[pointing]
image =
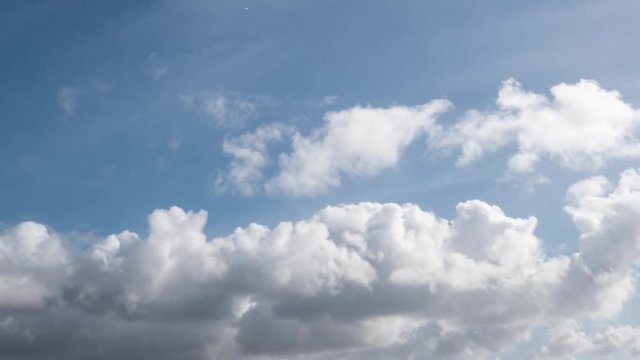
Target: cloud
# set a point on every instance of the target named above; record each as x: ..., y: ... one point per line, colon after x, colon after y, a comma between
x: 581, y: 126
x: 224, y: 110
x: 567, y: 341
x: 68, y: 99
x: 159, y: 72
x: 156, y: 67
x: 32, y: 264
x: 250, y: 157
x: 329, y: 100
x: 360, y: 141
x: 175, y: 141
x: 363, y: 280
x: 602, y: 211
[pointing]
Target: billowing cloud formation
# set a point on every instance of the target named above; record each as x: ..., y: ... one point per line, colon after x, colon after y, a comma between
x: 566, y: 341
x: 581, y: 127
x: 361, y: 280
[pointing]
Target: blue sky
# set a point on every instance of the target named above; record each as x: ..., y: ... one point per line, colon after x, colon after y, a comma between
x: 104, y: 117
x: 113, y: 148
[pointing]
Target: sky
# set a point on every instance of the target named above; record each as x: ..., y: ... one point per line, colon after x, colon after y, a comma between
x: 218, y: 179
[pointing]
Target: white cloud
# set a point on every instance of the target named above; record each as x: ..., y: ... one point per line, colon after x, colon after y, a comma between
x: 250, y: 157
x: 68, y: 99
x: 360, y: 141
x: 603, y: 212
x: 363, y: 280
x: 32, y: 265
x: 567, y: 341
x: 581, y: 127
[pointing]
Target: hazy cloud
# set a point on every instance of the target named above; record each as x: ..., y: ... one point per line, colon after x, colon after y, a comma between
x: 68, y: 99
x: 224, y: 110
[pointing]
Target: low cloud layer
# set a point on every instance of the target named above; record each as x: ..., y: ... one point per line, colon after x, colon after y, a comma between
x: 581, y: 127
x: 353, y: 281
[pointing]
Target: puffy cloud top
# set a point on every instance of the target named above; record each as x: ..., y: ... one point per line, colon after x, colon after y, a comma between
x: 352, y: 281
x: 581, y: 127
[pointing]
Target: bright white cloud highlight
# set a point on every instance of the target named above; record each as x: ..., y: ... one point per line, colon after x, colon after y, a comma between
x: 360, y: 141
x: 360, y: 280
x: 581, y: 126
x: 357, y: 142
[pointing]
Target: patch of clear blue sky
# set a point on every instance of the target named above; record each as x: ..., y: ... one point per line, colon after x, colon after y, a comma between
x: 105, y: 167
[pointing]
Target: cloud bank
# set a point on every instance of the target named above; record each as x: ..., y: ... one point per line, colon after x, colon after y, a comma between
x: 353, y: 281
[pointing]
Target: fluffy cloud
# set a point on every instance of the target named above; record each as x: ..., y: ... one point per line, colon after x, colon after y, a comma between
x: 357, y: 142
x: 360, y: 141
x: 580, y: 127
x: 567, y: 341
x: 32, y: 265
x: 363, y: 280
x: 603, y: 212
x: 250, y: 157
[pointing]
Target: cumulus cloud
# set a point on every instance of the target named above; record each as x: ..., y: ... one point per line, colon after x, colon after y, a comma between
x: 567, y: 341
x: 363, y: 280
x: 602, y: 211
x: 250, y: 156
x: 360, y: 141
x: 581, y: 126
